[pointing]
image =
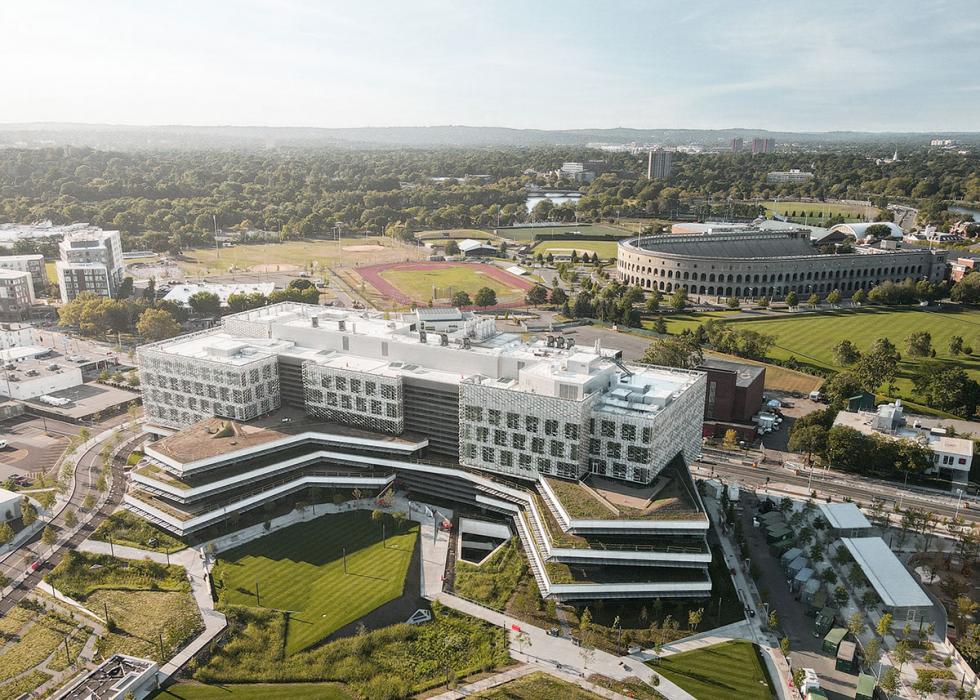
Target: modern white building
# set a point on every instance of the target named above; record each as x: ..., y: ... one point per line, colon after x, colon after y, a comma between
x: 794, y: 175
x: 119, y: 677
x: 16, y: 293
x: 952, y: 457
x: 91, y: 261
x: 439, y: 403
x: 34, y: 264
x: 9, y: 505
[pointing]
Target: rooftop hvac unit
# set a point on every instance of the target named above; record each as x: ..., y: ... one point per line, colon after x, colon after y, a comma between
x: 342, y: 325
x: 443, y: 339
x: 466, y: 343
x: 315, y: 321
x: 560, y: 341
x: 551, y: 341
x: 422, y: 337
x: 570, y: 343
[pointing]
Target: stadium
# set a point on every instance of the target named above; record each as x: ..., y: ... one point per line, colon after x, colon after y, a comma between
x: 759, y: 263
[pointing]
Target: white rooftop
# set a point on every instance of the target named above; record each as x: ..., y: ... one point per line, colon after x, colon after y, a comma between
x: 887, y: 575
x: 45, y: 229
x: 13, y: 274
x: 843, y: 516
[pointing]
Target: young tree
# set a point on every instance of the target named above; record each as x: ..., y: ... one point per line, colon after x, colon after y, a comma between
x: 855, y: 624
x: 6, y: 533
x: 884, y: 627
x: 813, y: 299
x: 840, y: 596
x: 461, y: 299
x: 157, y: 324
x: 536, y: 295
x: 653, y: 301
x: 902, y: 654
x: 452, y: 248
x: 205, y: 303
x: 834, y: 297
x: 955, y: 344
x: 28, y: 513
x: 792, y: 299
x: 485, y: 297
x: 859, y: 297
x: 919, y: 343
x: 889, y: 680
x: 846, y: 353
x: 659, y: 325
x: 730, y: 441
x: 694, y: 618
x: 48, y: 536
x: 784, y: 646
x: 678, y: 300
x: 71, y: 518
x: 773, y: 620
x: 558, y: 296
x: 732, y: 303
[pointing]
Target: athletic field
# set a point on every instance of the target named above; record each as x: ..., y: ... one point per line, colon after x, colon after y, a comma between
x: 812, y: 211
x: 406, y: 283
x: 811, y: 338
x: 719, y: 672
x: 528, y: 233
x: 606, y: 250
x: 301, y: 569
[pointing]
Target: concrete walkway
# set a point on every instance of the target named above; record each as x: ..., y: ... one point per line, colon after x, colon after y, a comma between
x: 778, y: 667
x: 511, y: 674
x: 736, y: 630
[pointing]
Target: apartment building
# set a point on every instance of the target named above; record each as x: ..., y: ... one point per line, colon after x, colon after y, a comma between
x: 33, y: 264
x: 16, y: 293
x: 587, y: 455
x: 91, y: 261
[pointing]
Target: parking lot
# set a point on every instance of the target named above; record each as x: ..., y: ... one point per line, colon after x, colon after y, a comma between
x: 805, y: 647
x: 30, y: 449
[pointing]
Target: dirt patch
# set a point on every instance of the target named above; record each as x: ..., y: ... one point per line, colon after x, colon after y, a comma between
x: 363, y: 248
x: 278, y: 267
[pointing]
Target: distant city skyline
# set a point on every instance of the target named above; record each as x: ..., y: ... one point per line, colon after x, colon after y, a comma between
x: 792, y: 66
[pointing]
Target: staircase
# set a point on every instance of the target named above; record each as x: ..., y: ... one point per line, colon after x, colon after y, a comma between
x: 528, y: 545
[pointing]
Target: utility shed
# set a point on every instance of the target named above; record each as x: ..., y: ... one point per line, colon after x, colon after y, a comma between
x: 845, y: 519
x: 846, y: 657
x: 795, y: 567
x: 833, y: 639
x: 789, y: 556
x: 899, y: 592
x: 866, y: 687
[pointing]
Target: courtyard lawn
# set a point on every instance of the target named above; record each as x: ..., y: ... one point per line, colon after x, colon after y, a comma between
x: 418, y: 284
x: 719, y: 672
x: 811, y: 338
x: 254, y: 691
x: 604, y: 249
x: 300, y: 569
x: 812, y: 211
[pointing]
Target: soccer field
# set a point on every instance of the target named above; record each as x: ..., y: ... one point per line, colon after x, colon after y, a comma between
x: 811, y: 338
x: 812, y: 211
x: 719, y: 672
x: 301, y: 569
x: 604, y: 249
x: 528, y: 233
x: 418, y: 284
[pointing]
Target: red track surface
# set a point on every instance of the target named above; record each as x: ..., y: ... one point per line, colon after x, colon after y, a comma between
x: 372, y: 275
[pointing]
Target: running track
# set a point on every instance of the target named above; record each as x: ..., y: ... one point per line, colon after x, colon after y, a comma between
x: 372, y: 275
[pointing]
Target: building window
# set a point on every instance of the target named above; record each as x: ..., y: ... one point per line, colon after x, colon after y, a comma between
x: 513, y: 421
x: 473, y: 413
x: 483, y: 434
x: 388, y: 392
x: 506, y: 459
x: 531, y: 424
x: 518, y: 441
x: 613, y: 449
x: 557, y: 448
x: 647, y: 435
x: 341, y: 383
x: 493, y: 416
x: 355, y: 386
x: 608, y: 429
x: 370, y: 388
x: 524, y: 461
x: 571, y: 431
x: 551, y: 428
x: 595, y: 446
x: 488, y: 455
x: 500, y: 438
x: 637, y: 454
x: 537, y: 445
x: 628, y: 432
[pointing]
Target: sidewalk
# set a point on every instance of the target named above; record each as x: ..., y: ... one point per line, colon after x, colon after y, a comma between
x: 776, y: 663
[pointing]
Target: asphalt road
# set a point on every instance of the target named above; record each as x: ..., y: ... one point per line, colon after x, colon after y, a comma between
x: 86, y: 476
x: 859, y: 489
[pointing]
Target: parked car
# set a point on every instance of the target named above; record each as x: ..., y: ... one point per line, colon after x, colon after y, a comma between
x: 3, y: 444
x: 554, y: 632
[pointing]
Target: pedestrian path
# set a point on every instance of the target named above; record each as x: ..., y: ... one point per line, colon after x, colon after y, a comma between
x: 736, y: 630
x: 511, y: 674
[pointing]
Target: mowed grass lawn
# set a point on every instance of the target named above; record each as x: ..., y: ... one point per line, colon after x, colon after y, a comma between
x: 295, y: 255
x: 604, y: 249
x: 811, y: 338
x: 418, y: 284
x: 856, y: 212
x: 301, y: 569
x: 527, y: 233
x: 254, y: 691
x: 719, y: 672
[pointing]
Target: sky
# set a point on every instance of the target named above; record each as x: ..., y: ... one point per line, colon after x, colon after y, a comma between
x: 792, y: 65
